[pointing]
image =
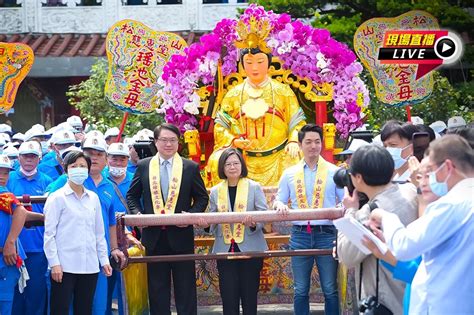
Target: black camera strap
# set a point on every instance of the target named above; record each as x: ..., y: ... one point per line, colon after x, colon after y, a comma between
x: 376, y: 281
x: 372, y: 206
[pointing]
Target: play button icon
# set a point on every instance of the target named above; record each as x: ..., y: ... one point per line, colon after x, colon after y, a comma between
x: 448, y: 48
x: 445, y: 48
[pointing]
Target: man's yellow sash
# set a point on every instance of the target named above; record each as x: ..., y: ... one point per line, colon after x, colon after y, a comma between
x: 319, y: 185
x: 174, y: 185
x: 237, y: 236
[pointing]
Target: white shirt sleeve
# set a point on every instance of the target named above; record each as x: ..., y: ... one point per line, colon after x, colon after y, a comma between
x: 101, y: 243
x: 52, y: 214
x: 439, y: 222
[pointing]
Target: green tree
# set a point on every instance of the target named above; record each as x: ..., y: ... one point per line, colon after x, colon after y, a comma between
x: 88, y: 98
x: 445, y: 101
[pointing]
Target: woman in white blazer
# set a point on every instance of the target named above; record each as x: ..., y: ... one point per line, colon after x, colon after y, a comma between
x: 239, y: 279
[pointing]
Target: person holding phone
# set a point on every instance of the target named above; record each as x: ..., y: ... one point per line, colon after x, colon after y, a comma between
x: 74, y: 240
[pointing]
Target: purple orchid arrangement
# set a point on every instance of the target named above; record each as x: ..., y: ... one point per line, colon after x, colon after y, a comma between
x: 308, y: 52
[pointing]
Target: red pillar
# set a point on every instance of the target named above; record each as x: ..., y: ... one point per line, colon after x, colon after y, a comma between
x: 322, y: 118
x: 321, y: 110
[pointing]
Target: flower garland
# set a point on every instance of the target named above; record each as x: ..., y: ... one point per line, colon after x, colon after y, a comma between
x: 308, y: 52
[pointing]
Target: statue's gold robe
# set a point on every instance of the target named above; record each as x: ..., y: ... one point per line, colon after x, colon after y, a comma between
x: 270, y: 117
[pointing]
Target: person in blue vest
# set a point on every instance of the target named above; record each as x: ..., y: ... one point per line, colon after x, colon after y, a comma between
x: 12, y: 219
x: 95, y: 148
x: 27, y: 180
x: 61, y: 140
x: 117, y: 160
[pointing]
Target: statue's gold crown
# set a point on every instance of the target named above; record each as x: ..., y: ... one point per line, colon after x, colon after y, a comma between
x: 253, y: 34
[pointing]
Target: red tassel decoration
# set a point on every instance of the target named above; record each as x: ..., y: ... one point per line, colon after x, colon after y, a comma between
x: 308, y: 228
x: 19, y: 261
x: 232, y: 242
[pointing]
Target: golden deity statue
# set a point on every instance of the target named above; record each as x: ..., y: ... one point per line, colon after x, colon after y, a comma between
x: 260, y: 116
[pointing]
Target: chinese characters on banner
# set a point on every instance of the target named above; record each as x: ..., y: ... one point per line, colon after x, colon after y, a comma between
x: 136, y: 56
x: 396, y: 84
x: 16, y: 61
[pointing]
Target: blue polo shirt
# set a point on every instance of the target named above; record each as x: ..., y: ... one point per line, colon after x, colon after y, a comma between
x: 131, y: 167
x: 18, y: 184
x: 123, y: 188
x: 48, y: 156
x: 52, y: 168
x: 16, y: 165
x: 108, y: 199
x: 5, y: 225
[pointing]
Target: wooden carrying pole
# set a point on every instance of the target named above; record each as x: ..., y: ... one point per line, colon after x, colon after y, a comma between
x: 231, y: 217
x: 229, y: 256
x: 219, y: 218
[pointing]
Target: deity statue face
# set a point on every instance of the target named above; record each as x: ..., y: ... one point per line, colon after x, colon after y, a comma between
x: 256, y: 67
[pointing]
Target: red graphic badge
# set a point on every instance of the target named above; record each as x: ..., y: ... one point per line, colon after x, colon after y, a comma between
x: 428, y: 49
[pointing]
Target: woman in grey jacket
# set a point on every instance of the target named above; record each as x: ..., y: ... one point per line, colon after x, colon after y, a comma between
x: 239, y: 279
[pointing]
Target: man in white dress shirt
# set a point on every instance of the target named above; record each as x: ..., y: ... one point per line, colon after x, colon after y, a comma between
x: 443, y: 235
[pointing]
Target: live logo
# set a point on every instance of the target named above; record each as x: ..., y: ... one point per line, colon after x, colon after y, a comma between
x: 407, y: 54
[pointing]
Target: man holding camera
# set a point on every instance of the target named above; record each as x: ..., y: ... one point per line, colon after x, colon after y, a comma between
x: 371, y: 172
x: 313, y: 176
x: 443, y: 235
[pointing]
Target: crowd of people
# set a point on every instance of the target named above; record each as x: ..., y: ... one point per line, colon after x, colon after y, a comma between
x: 420, y: 206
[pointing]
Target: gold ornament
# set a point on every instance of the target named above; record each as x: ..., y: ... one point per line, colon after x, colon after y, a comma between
x: 253, y: 35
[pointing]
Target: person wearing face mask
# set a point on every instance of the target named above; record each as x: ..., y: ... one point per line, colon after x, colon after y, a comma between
x: 95, y: 148
x: 27, y: 180
x: 397, y: 139
x: 74, y: 242
x: 117, y: 160
x: 12, y: 219
x: 405, y: 270
x: 61, y: 140
x: 443, y: 235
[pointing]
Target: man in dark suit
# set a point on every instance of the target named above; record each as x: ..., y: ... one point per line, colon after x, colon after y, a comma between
x: 166, y: 183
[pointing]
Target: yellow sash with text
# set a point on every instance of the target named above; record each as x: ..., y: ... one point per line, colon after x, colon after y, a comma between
x: 174, y: 185
x: 319, y: 185
x: 237, y: 235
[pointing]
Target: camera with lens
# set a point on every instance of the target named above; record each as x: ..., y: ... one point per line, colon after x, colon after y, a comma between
x: 342, y: 178
x: 145, y: 149
x: 368, y: 305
